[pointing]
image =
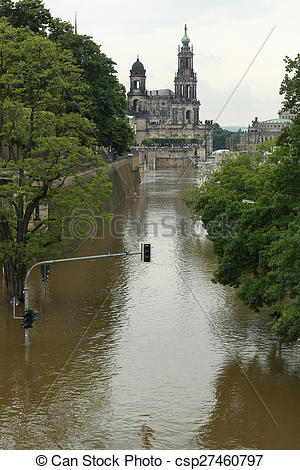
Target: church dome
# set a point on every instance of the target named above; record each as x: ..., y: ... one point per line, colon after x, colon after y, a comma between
x: 138, y: 69
x: 185, y: 40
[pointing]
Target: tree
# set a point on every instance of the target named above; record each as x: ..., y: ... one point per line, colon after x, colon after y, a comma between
x: 106, y: 95
x: 224, y: 139
x: 26, y: 13
x: 257, y: 245
x: 6, y: 7
x: 49, y: 150
x: 290, y: 86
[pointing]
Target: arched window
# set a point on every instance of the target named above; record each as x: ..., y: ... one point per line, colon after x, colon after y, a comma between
x: 188, y: 115
x: 136, y: 84
x: 135, y: 105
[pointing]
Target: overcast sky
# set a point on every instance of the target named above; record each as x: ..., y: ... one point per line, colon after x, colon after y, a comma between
x: 226, y: 35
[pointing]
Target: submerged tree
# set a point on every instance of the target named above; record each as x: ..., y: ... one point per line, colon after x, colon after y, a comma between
x: 258, y: 243
x: 43, y: 150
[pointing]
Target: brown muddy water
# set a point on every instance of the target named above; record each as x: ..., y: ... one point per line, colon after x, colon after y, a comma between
x: 129, y: 355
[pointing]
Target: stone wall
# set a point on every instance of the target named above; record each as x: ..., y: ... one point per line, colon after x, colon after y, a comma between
x: 125, y: 177
x: 176, y: 162
x: 171, y: 158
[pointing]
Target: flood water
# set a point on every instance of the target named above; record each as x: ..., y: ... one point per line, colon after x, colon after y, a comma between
x: 131, y: 355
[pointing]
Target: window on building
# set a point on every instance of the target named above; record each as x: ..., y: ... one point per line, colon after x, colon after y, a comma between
x: 136, y: 105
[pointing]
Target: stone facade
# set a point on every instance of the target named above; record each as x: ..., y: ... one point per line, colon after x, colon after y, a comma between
x: 165, y: 113
x: 262, y: 131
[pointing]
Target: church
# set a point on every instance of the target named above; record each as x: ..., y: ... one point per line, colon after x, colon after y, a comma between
x: 165, y: 113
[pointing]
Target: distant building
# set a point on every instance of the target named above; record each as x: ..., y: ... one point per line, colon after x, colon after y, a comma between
x: 165, y: 113
x: 262, y: 131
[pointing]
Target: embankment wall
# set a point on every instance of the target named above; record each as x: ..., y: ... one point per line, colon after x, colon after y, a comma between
x: 125, y: 177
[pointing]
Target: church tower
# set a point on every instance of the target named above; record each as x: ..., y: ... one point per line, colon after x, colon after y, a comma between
x: 168, y: 115
x: 186, y: 81
x: 137, y: 94
x: 137, y: 98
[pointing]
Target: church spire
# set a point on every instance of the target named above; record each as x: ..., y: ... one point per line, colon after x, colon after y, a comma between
x: 185, y: 40
x: 76, y: 30
x: 185, y: 79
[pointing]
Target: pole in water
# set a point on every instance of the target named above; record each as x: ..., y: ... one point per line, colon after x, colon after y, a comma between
x: 26, y: 299
x: 32, y: 315
x: 26, y: 337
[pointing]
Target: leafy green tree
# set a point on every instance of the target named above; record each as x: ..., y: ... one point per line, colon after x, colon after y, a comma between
x: 258, y: 244
x: 26, y: 13
x: 49, y: 151
x: 57, y: 28
x: 290, y: 86
x: 219, y: 137
x: 6, y: 7
x: 224, y: 139
x: 247, y: 238
x: 106, y: 95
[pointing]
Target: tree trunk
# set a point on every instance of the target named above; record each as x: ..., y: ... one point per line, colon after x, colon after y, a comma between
x: 15, y: 272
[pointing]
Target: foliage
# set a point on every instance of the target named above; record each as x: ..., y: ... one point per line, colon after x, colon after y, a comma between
x: 224, y: 139
x: 49, y: 150
x: 26, y: 13
x: 104, y: 95
x: 290, y: 86
x: 257, y: 245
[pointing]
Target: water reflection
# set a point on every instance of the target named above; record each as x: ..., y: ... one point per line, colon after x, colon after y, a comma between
x: 147, y: 436
x: 128, y: 355
x: 239, y: 415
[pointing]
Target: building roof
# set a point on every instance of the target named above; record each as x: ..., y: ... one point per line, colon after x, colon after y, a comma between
x: 138, y: 69
x: 277, y: 121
